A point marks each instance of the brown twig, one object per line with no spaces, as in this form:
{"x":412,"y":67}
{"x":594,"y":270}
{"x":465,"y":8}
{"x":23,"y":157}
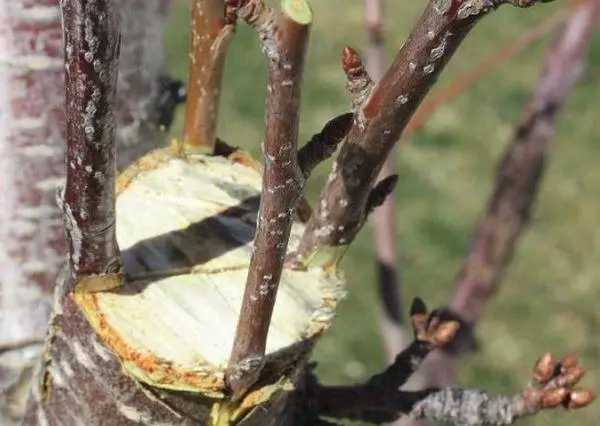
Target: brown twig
{"x":430,"y":330}
{"x":340,"y":213}
{"x":212,"y":29}
{"x":553,"y":385}
{"x":284,"y":37}
{"x":91,"y":49}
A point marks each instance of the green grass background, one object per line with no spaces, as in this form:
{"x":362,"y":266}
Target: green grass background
{"x":550,"y":298}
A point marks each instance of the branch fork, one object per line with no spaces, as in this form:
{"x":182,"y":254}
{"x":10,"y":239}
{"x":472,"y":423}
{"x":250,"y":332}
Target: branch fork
{"x":378,"y":400}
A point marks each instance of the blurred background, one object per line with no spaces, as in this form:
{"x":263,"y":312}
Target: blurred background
{"x":550,"y":297}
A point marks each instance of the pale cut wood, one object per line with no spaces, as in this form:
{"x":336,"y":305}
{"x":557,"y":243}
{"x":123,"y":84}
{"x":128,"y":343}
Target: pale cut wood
{"x":172,"y":324}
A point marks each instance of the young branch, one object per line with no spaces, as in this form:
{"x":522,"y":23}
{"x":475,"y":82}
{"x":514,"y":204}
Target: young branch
{"x":552,"y":385}
{"x":284,"y":36}
{"x":91,"y":50}
{"x":381,"y":118}
{"x":212,"y":29}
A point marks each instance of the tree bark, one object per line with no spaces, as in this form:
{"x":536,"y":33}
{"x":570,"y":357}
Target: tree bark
{"x":32,"y":151}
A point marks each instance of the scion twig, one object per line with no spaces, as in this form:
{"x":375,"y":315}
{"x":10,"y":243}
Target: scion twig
{"x":284,"y":37}
{"x":382,"y":117}
{"x":212,"y":28}
{"x":91,"y":49}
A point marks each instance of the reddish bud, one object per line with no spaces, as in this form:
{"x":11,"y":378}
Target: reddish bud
{"x":574,"y":375}
{"x":445,"y":332}
{"x":569,"y":361}
{"x":544,"y":368}
{"x":553,"y":397}
{"x":579,"y":398}
{"x":352,"y":63}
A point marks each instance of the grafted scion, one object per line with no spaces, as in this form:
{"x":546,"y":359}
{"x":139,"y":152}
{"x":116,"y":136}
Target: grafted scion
{"x":284,"y":39}
{"x":91,"y":47}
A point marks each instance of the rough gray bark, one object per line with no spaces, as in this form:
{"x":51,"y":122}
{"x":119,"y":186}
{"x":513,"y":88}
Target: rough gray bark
{"x":32,"y":149}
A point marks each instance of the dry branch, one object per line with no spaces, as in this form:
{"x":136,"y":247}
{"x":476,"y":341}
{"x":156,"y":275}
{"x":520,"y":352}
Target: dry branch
{"x":212,"y":28}
{"x":284,"y":38}
{"x":340,"y":213}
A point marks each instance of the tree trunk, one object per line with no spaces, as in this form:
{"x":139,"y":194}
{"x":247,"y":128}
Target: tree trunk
{"x":170,"y":322}
{"x":32,"y":150}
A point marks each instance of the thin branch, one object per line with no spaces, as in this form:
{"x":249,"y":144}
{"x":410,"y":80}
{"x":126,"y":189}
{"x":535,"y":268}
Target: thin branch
{"x":212,"y":28}
{"x":340,"y":213}
{"x":430,"y":330}
{"x":91,"y":48}
{"x":553,"y":385}
{"x":284,"y":36}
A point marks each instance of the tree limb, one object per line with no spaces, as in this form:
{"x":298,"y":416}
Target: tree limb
{"x":519,"y":175}
{"x":284,"y":37}
{"x":509,"y":207}
{"x":340,"y":213}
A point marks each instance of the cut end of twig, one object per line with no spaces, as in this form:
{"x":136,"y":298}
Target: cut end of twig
{"x":297,"y":10}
